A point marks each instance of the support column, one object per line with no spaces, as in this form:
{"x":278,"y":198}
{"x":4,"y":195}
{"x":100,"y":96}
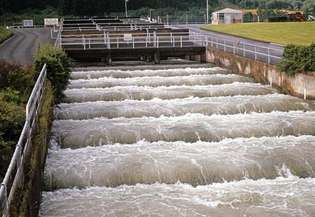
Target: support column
{"x":157,"y":58}
{"x":109,"y":59}
{"x":203,"y":57}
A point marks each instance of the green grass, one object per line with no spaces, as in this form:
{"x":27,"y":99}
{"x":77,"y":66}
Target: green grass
{"x":280,"y":33}
{"x":4,"y":34}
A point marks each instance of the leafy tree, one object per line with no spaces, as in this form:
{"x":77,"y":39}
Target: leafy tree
{"x":309,"y":7}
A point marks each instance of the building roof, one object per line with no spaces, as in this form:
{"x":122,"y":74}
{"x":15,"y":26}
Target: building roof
{"x":228,"y":11}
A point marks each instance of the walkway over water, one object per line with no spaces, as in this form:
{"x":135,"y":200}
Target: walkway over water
{"x":179,"y":142}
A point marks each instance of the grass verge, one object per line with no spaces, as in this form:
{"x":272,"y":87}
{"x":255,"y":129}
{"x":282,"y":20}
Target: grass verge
{"x":284,"y":33}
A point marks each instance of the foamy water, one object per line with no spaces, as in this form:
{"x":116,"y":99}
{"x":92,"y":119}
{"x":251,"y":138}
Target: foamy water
{"x":172,"y":92}
{"x":177,"y":107}
{"x":284,"y":197}
{"x":158,"y":81}
{"x":189,"y":128}
{"x":179,"y":142}
{"x":144,"y":73}
{"x":168,"y":162}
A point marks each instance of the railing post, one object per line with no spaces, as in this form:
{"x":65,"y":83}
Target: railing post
{"x":157,"y":42}
{"x":133,"y":42}
{"x":269,"y":56}
{"x":244,"y":53}
{"x":224,"y":48}
{"x":255,"y":53}
{"x":305,"y":91}
{"x":83,"y":41}
{"x":117,"y":42}
{"x":181,"y":41}
{"x":234,"y":48}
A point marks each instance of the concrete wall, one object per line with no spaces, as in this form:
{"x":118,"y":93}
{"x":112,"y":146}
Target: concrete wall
{"x":301,"y":85}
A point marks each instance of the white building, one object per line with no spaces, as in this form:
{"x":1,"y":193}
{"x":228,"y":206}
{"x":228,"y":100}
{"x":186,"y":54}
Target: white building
{"x":227,"y":16}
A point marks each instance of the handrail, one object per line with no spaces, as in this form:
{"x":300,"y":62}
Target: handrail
{"x":14,"y":176}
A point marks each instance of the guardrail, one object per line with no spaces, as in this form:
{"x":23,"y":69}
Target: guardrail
{"x":14,"y":177}
{"x":128,"y":41}
{"x":262,"y":53}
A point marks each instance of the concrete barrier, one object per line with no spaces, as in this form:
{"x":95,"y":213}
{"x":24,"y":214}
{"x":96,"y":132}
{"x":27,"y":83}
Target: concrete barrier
{"x":301,"y":85}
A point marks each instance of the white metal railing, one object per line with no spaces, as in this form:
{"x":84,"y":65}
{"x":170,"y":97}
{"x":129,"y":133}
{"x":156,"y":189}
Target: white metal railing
{"x":248,"y":50}
{"x":171,"y":39}
{"x":148,"y":41}
{"x":15,"y":174}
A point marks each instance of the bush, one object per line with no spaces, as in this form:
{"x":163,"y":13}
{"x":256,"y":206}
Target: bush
{"x":5,"y":34}
{"x":16,"y":84}
{"x":17,"y":78}
{"x":298,"y":59}
{"x":12,"y":117}
{"x":58,"y":68}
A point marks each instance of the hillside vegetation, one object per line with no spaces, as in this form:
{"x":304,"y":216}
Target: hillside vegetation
{"x":141,"y":7}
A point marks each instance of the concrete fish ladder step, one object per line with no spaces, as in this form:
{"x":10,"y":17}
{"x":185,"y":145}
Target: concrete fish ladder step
{"x":172,"y":92}
{"x":177,"y":107}
{"x":289,"y":197}
{"x":156,"y":81}
{"x":189,"y":128}
{"x":148,"y":72}
{"x":197,"y":163}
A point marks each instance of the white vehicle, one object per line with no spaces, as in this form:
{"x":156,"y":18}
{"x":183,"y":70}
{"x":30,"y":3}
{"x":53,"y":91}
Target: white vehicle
{"x":311,"y":18}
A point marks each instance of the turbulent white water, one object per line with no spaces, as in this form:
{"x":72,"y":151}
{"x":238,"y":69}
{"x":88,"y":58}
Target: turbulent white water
{"x":189,"y":128}
{"x":172,"y":92}
{"x":282,"y":197}
{"x":177,"y":107}
{"x":124,"y":141}
{"x":158,"y":81}
{"x":168,"y":162}
{"x":144,"y":73}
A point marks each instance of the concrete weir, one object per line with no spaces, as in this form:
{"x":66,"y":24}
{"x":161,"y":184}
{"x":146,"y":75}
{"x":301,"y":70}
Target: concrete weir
{"x":178,"y":141}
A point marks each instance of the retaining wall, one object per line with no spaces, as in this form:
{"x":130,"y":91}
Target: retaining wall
{"x":301,"y":85}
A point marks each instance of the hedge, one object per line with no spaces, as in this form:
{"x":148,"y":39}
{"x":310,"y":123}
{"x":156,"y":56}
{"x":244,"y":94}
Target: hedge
{"x":58,"y":68}
{"x":16,"y":83}
{"x":298,"y":59}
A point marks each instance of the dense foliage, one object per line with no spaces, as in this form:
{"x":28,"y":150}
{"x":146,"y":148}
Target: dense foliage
{"x":4,"y":34}
{"x":58,"y":67}
{"x":142,"y":7}
{"x":298,"y":59}
{"x":16,"y":84}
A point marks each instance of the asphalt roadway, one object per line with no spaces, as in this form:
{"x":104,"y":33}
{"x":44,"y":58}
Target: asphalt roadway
{"x":20,"y":48}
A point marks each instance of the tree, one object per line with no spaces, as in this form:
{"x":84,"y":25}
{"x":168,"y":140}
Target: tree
{"x":309,"y":7}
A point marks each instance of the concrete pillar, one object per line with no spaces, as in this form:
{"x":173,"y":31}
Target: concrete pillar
{"x":109,"y":59}
{"x":203,"y":58}
{"x":157,"y":58}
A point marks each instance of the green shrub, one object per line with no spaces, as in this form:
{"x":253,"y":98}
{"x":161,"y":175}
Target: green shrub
{"x":4,"y":34}
{"x":12,"y":117}
{"x":16,"y":84}
{"x":298,"y":59}
{"x":58,"y":68}
{"x":17,"y":78}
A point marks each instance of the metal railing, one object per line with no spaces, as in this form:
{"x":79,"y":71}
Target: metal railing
{"x":261,"y":53}
{"x":105,"y":41}
{"x":14,"y":177}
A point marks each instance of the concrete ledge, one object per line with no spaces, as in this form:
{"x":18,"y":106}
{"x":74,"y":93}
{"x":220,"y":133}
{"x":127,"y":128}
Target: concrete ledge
{"x":301,"y":85}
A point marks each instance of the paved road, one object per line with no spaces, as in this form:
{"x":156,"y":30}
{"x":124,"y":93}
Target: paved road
{"x":22,"y":46}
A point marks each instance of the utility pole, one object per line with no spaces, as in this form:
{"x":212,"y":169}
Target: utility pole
{"x":207,"y":8}
{"x":126,"y":8}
